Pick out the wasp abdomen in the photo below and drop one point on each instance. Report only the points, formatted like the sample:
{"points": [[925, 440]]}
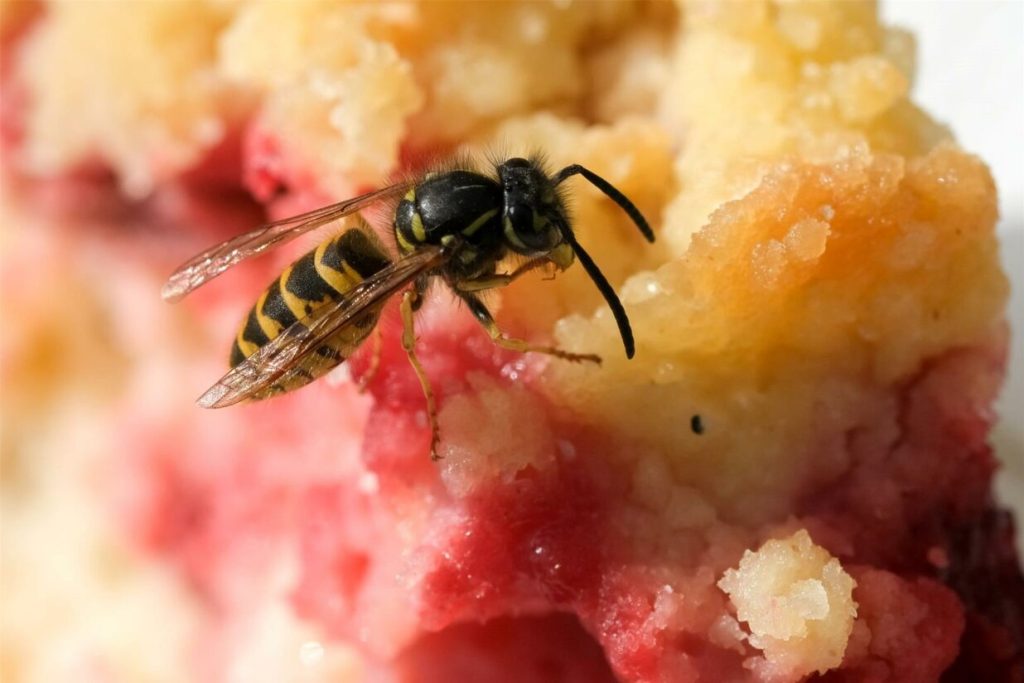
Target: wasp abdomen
{"points": [[321, 276]]}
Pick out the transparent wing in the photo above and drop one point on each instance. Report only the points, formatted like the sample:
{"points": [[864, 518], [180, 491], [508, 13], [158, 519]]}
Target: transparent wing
{"points": [[272, 362], [216, 260]]}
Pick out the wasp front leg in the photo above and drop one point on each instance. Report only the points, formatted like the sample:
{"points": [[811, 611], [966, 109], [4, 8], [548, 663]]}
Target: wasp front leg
{"points": [[500, 279], [410, 303], [485, 318]]}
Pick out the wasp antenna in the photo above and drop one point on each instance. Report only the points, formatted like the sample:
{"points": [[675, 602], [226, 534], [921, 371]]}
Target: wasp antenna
{"points": [[605, 287], [612, 193]]}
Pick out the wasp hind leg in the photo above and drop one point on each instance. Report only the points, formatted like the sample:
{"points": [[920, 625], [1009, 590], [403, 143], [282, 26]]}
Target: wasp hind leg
{"points": [[410, 302], [485, 318]]}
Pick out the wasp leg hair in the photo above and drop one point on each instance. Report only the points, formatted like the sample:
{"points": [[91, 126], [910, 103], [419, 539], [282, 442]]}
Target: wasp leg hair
{"points": [[485, 318], [371, 371], [409, 344], [501, 279], [612, 193]]}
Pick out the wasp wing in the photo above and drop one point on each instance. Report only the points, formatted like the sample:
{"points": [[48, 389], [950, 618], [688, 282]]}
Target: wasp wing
{"points": [[273, 362], [216, 260]]}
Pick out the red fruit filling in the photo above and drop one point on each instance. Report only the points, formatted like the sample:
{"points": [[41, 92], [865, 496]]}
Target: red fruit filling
{"points": [[391, 559]]}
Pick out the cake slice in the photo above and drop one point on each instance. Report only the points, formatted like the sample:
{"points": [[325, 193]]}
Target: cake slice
{"points": [[790, 481]]}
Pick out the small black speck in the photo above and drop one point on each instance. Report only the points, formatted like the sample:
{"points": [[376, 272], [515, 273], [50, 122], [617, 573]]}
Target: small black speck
{"points": [[697, 424]]}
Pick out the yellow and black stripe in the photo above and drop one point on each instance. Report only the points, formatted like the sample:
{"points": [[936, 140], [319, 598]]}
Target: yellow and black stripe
{"points": [[321, 276]]}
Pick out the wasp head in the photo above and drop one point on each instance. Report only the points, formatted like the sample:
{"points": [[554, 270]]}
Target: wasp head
{"points": [[531, 209]]}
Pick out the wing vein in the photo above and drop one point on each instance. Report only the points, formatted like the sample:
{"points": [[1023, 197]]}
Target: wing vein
{"points": [[209, 264], [260, 371]]}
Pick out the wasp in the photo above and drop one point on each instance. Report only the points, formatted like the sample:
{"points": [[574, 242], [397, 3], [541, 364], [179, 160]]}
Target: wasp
{"points": [[455, 226]]}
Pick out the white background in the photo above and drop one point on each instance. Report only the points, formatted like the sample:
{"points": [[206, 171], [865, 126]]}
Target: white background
{"points": [[970, 58]]}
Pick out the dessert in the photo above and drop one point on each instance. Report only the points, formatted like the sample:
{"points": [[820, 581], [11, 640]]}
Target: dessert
{"points": [[790, 480]]}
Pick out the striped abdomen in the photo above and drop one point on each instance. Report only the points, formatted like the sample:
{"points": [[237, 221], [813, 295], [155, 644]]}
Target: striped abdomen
{"points": [[323, 275]]}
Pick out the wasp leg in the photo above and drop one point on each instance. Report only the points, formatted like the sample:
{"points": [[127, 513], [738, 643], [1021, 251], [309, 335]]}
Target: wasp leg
{"points": [[409, 300], [487, 320], [501, 279], [371, 371]]}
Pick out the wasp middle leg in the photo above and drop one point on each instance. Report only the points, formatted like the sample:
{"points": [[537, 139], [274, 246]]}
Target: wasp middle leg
{"points": [[410, 302], [485, 318]]}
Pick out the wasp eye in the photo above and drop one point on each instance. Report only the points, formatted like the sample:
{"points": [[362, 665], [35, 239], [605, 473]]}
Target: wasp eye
{"points": [[528, 231], [521, 217]]}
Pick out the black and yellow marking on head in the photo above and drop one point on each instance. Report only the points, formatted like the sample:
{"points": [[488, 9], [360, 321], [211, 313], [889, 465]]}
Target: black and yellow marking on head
{"points": [[511, 235]]}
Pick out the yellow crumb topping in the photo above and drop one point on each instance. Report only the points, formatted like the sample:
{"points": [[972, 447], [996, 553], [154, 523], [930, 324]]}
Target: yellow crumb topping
{"points": [[797, 603], [339, 85], [825, 240], [819, 240], [131, 85]]}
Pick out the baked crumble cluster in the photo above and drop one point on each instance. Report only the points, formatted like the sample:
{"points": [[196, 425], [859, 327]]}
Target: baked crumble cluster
{"points": [[791, 480]]}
